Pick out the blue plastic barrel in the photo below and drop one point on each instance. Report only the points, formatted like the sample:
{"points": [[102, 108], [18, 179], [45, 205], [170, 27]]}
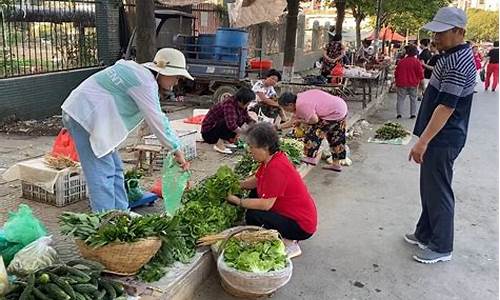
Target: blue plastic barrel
{"points": [[206, 46], [231, 37]]}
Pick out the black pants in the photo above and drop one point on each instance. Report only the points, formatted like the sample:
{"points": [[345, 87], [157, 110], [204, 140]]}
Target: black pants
{"points": [[220, 131], [288, 228], [435, 226]]}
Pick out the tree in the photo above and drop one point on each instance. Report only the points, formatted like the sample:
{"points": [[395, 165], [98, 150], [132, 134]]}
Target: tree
{"points": [[360, 10], [482, 25], [290, 37], [146, 42], [340, 8]]}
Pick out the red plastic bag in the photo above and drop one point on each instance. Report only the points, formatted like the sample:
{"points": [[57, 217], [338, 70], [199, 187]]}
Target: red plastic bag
{"points": [[64, 145], [337, 73], [195, 119], [157, 188]]}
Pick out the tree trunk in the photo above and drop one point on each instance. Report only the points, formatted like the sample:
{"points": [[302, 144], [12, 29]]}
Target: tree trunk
{"points": [[358, 31], [290, 38], [340, 7], [146, 30]]}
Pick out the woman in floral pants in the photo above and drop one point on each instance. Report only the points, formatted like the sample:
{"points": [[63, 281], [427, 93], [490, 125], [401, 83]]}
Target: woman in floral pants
{"points": [[326, 117]]}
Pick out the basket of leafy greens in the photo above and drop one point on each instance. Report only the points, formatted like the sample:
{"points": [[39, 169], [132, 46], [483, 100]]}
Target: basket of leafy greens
{"points": [[253, 262]]}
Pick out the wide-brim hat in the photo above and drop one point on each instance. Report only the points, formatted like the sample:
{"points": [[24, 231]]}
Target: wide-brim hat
{"points": [[169, 62]]}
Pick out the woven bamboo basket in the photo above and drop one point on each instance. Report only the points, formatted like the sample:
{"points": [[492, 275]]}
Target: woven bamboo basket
{"points": [[123, 259], [246, 284]]}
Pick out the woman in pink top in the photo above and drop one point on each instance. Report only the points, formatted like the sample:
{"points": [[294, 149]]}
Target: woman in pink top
{"points": [[326, 114]]}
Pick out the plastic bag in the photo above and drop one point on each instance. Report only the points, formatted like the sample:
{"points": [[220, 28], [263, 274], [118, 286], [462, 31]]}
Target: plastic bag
{"points": [[482, 75], [156, 189], [64, 145], [22, 227], [134, 191], [174, 182], [34, 257]]}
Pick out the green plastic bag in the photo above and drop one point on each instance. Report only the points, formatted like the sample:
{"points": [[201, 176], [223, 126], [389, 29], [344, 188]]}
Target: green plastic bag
{"points": [[174, 182], [21, 229], [134, 190]]}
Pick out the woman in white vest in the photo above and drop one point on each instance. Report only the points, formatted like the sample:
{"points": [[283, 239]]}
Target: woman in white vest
{"points": [[106, 107]]}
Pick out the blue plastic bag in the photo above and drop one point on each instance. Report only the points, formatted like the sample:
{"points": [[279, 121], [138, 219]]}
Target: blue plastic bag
{"points": [[174, 182]]}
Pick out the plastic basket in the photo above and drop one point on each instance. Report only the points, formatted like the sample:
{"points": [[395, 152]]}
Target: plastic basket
{"points": [[69, 188], [188, 141]]}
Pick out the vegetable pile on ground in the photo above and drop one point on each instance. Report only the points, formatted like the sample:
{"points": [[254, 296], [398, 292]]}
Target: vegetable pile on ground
{"points": [[293, 148], [100, 229], [205, 211], [390, 131], [78, 279], [256, 253]]}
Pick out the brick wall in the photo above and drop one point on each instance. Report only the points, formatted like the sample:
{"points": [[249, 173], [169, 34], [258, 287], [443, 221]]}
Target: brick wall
{"points": [[38, 96]]}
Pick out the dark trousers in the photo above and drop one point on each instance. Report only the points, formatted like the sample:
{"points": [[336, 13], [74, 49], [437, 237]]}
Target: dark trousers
{"points": [[435, 226], [220, 131], [288, 228]]}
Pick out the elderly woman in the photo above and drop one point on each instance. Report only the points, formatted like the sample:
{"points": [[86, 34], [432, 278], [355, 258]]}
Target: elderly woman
{"points": [[224, 121], [267, 102], [326, 116], [281, 201], [106, 107], [333, 53]]}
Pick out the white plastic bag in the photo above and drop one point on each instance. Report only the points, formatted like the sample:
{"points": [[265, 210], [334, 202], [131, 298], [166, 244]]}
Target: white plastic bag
{"points": [[37, 255]]}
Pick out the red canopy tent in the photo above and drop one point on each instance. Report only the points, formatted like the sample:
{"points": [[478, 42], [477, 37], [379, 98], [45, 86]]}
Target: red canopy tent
{"points": [[387, 34]]}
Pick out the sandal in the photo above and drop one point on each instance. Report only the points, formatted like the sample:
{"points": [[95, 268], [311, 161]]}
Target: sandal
{"points": [[333, 167], [310, 160]]}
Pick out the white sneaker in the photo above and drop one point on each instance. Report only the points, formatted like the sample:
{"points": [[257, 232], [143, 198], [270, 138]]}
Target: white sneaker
{"points": [[223, 151], [230, 145], [292, 249]]}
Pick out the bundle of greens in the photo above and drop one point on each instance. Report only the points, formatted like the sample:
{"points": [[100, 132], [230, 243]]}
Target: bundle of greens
{"points": [[205, 211], [100, 229], [390, 131], [293, 149], [256, 257]]}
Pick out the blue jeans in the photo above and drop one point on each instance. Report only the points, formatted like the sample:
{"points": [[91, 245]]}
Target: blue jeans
{"points": [[104, 175]]}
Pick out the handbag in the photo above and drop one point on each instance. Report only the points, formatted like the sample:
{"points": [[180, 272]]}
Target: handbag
{"points": [[482, 75]]}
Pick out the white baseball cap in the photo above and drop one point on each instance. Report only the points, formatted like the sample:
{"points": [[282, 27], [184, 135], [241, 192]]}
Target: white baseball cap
{"points": [[447, 18], [169, 62]]}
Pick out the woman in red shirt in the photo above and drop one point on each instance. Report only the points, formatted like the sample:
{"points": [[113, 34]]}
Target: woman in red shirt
{"points": [[282, 201]]}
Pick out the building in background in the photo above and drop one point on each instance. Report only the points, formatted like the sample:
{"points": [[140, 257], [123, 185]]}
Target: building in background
{"points": [[478, 4]]}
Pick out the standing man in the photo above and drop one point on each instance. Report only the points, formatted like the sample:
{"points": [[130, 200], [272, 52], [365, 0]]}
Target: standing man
{"points": [[409, 75], [442, 129]]}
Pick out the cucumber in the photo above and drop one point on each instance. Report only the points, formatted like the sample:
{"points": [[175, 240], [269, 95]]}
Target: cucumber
{"points": [[76, 272], [69, 280], [120, 290], [26, 294], [100, 294], [44, 278], [39, 295], [56, 292], [110, 290], [85, 288], [65, 286], [79, 296], [87, 263]]}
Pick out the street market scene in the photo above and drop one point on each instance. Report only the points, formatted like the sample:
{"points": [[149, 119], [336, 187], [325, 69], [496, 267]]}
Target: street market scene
{"points": [[249, 149]]}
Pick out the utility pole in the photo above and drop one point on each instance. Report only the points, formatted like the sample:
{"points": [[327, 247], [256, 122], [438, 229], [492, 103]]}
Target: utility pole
{"points": [[146, 30], [377, 27]]}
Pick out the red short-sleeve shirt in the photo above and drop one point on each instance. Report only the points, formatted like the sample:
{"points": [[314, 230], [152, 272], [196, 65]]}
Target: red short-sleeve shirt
{"points": [[280, 179]]}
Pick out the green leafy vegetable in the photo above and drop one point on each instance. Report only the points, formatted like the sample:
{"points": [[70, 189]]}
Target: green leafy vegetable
{"points": [[390, 131], [256, 257]]}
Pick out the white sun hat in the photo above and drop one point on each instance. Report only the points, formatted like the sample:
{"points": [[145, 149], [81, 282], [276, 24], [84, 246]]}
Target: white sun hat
{"points": [[169, 62]]}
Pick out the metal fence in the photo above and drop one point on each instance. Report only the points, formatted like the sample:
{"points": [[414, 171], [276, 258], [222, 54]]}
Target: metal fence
{"points": [[41, 36]]}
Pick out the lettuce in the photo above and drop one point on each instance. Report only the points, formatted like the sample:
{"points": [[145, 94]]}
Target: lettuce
{"points": [[256, 257]]}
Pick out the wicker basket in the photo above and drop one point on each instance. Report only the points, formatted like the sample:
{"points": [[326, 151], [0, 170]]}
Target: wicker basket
{"points": [[246, 284], [122, 258]]}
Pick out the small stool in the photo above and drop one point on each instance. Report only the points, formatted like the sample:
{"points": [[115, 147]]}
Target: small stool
{"points": [[153, 150]]}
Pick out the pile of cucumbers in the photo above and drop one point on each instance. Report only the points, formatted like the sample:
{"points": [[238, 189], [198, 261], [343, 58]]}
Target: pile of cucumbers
{"points": [[78, 279]]}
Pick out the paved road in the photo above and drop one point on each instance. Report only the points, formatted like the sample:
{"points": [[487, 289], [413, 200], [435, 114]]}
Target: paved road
{"points": [[358, 251]]}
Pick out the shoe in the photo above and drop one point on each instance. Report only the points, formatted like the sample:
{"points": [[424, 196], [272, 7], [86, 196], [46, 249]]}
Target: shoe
{"points": [[333, 167], [292, 249], [310, 160], [413, 117], [427, 256], [493, 90], [419, 98], [398, 117], [223, 151], [231, 145], [411, 239]]}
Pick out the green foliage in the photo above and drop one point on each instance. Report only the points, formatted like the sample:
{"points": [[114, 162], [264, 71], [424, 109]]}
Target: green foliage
{"points": [[256, 257], [390, 131], [482, 25]]}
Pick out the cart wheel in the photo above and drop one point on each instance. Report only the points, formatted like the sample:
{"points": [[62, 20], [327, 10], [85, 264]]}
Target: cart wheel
{"points": [[223, 92]]}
